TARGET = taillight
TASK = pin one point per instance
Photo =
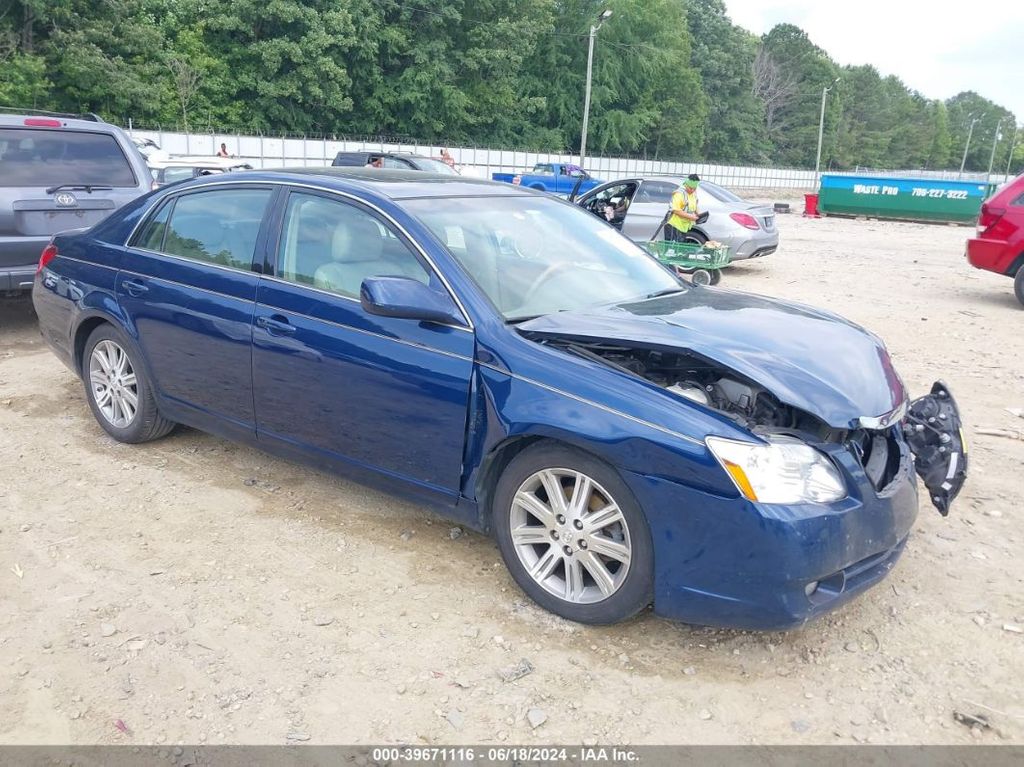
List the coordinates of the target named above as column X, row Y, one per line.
column 745, row 220
column 988, row 217
column 49, row 253
column 42, row 122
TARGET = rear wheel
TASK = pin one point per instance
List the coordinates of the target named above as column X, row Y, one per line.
column 1018, row 285
column 573, row 536
column 696, row 237
column 119, row 393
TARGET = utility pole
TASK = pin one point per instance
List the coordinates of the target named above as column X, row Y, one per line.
column 605, row 15
column 1013, row 145
column 995, row 141
column 821, row 131
column 970, row 131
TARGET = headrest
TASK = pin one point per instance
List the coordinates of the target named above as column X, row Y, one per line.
column 357, row 238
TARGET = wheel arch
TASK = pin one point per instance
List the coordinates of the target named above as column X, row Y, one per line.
column 502, row 454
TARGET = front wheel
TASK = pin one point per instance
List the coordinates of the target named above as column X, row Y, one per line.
column 1018, row 285
column 119, row 393
column 572, row 535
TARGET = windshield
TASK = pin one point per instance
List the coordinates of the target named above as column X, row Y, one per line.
column 435, row 166
column 537, row 255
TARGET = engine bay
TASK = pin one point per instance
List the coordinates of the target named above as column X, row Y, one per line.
column 705, row 383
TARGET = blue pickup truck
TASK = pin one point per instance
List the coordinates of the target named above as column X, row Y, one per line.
column 558, row 178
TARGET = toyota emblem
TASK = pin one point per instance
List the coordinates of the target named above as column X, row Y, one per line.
column 65, row 200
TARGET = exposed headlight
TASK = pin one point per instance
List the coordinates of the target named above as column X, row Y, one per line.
column 785, row 470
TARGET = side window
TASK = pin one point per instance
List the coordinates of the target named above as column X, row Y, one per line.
column 334, row 246
column 217, row 227
column 151, row 236
column 656, row 191
column 1018, row 201
column 395, row 162
column 171, row 175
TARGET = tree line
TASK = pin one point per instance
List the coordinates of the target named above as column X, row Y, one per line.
column 673, row 79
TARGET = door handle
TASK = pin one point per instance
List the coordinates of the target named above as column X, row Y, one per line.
column 134, row 287
column 276, row 325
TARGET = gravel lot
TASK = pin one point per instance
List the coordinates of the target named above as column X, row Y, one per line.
column 192, row 590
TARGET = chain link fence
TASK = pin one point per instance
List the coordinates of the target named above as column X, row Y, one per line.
column 279, row 151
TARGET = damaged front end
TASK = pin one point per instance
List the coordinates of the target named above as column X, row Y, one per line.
column 930, row 428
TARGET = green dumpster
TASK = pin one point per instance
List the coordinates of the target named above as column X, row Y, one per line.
column 911, row 199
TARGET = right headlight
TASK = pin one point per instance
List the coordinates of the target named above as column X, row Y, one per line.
column 786, row 470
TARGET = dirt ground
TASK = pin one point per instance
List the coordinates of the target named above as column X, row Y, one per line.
column 192, row 590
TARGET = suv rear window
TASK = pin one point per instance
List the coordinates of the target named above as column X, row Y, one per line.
column 54, row 157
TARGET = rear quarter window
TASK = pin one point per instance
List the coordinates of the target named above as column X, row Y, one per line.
column 53, row 157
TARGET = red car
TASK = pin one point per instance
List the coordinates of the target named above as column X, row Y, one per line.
column 999, row 245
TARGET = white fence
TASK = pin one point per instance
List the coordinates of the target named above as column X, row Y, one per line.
column 278, row 152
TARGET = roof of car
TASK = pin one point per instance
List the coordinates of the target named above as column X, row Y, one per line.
column 395, row 184
column 404, row 155
column 67, row 122
column 197, row 162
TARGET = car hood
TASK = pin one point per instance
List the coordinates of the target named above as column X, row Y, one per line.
column 810, row 359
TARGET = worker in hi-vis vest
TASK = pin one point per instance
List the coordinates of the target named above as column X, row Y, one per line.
column 684, row 209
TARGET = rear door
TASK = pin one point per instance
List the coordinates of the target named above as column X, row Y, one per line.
column 188, row 288
column 647, row 211
column 93, row 169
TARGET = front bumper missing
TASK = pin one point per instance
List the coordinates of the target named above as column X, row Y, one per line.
column 934, row 431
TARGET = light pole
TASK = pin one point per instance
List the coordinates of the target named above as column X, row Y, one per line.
column 995, row 141
column 821, row 131
column 968, row 145
column 1013, row 145
column 605, row 15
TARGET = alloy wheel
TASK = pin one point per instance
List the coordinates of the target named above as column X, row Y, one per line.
column 115, row 388
column 570, row 535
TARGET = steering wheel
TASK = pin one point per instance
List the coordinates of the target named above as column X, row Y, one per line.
column 544, row 277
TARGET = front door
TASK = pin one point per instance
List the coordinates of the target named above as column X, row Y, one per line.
column 188, row 289
column 384, row 394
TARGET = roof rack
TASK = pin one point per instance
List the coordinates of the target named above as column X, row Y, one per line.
column 43, row 113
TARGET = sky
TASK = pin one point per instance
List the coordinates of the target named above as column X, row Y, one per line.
column 938, row 48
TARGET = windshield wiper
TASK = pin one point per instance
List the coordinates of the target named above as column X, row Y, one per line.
column 524, row 318
column 90, row 188
column 665, row 292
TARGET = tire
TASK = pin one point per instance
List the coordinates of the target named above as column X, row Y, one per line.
column 702, row 277
column 597, row 575
column 1018, row 285
column 126, row 409
column 716, row 276
column 695, row 236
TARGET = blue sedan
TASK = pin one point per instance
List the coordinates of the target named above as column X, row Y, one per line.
column 503, row 356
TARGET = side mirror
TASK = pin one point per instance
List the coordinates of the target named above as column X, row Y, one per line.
column 408, row 299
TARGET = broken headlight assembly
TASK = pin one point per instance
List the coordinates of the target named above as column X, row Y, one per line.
column 934, row 431
column 785, row 470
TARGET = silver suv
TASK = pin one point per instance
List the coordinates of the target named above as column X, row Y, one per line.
column 58, row 172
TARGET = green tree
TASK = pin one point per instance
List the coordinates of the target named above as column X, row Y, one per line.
column 724, row 54
column 939, row 151
column 793, row 124
column 965, row 108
